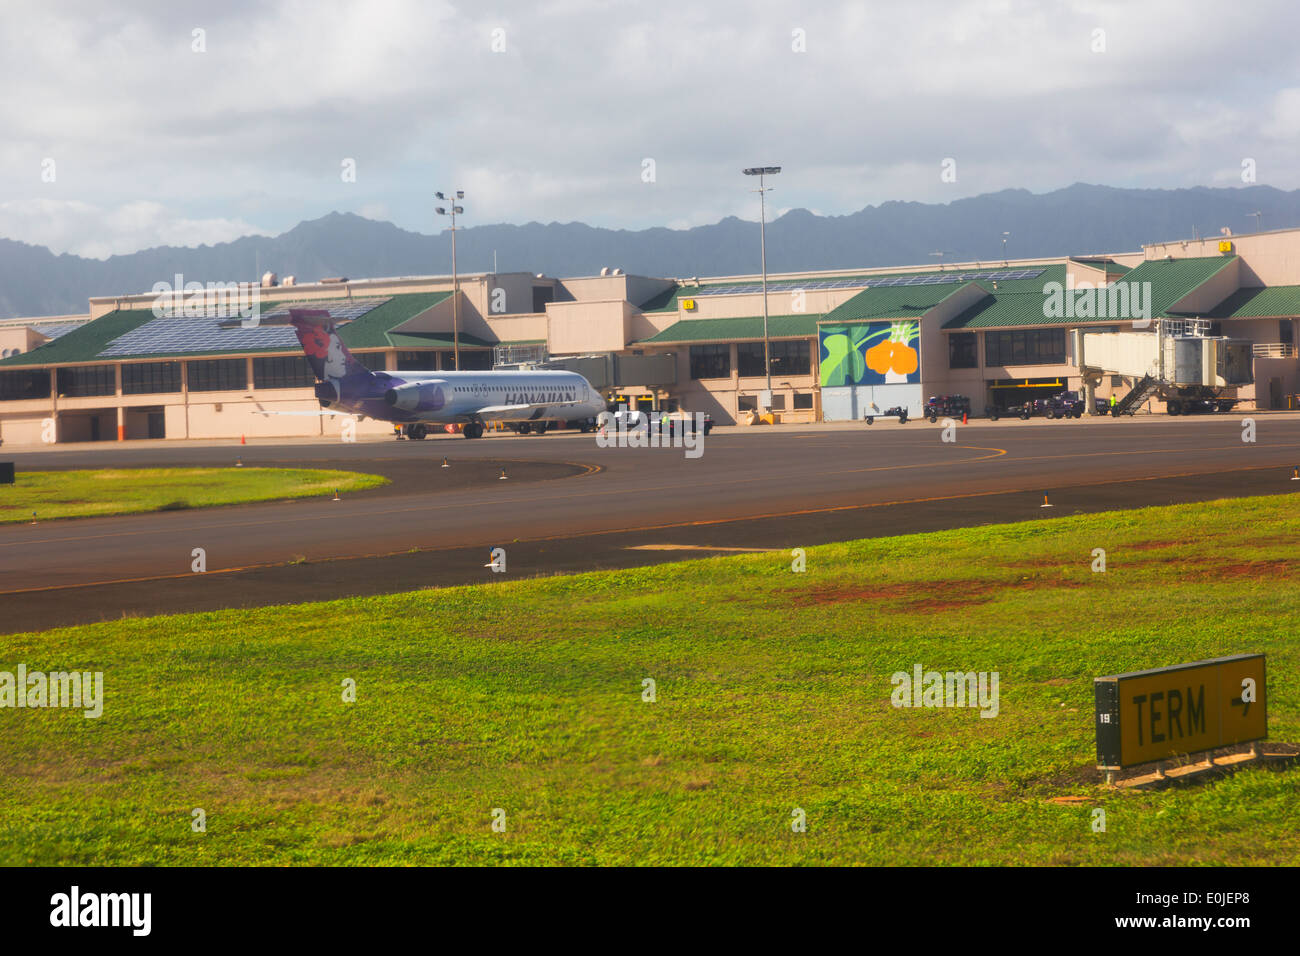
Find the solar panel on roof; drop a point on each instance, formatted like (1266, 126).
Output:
(52, 332)
(184, 334)
(864, 282)
(352, 310)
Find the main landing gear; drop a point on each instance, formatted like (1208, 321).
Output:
(473, 430)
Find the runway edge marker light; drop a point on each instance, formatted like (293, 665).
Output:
(1046, 503)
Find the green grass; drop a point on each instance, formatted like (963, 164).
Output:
(772, 693)
(80, 494)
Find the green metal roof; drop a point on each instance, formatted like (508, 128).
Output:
(1172, 279)
(732, 330)
(1278, 301)
(433, 340)
(369, 331)
(1013, 305)
(893, 302)
(1010, 310)
(372, 330)
(1110, 265)
(669, 300)
(83, 344)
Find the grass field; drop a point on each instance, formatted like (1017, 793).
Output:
(772, 693)
(80, 494)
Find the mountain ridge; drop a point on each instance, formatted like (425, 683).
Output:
(1080, 219)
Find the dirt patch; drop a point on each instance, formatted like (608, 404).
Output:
(1155, 545)
(921, 597)
(1251, 569)
(1212, 569)
(1089, 775)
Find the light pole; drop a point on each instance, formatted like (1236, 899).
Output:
(1258, 217)
(760, 172)
(1005, 237)
(455, 280)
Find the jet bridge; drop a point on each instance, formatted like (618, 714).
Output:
(1176, 360)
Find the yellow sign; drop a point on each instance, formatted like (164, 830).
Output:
(1188, 708)
(1225, 245)
(688, 305)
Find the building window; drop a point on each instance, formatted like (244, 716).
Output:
(1284, 332)
(147, 377)
(778, 402)
(282, 371)
(711, 361)
(216, 375)
(962, 350)
(747, 403)
(87, 380)
(1030, 347)
(28, 383)
(1117, 381)
(478, 360)
(375, 361)
(788, 358)
(418, 361)
(803, 400)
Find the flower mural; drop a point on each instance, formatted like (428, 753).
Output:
(870, 353)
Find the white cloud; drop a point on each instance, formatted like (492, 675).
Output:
(555, 128)
(92, 231)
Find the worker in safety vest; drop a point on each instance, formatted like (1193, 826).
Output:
(1113, 403)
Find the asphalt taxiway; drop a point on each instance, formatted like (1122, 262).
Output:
(568, 505)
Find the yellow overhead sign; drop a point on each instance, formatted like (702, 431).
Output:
(1188, 708)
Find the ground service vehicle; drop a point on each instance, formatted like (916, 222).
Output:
(948, 406)
(1064, 405)
(897, 410)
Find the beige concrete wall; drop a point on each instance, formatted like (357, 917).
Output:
(1268, 258)
(934, 343)
(516, 295)
(783, 302)
(592, 289)
(591, 326)
(19, 429)
(1211, 292)
(519, 328)
(19, 337)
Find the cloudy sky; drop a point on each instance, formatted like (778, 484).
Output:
(184, 123)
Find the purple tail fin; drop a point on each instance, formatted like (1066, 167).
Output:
(328, 357)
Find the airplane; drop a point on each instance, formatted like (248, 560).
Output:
(415, 399)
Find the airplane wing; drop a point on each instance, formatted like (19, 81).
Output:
(494, 409)
(325, 412)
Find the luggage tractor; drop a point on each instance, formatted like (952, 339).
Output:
(1177, 361)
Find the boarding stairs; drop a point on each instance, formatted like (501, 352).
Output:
(1144, 389)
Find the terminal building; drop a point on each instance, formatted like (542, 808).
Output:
(841, 344)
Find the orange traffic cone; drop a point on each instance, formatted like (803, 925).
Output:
(242, 440)
(444, 463)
